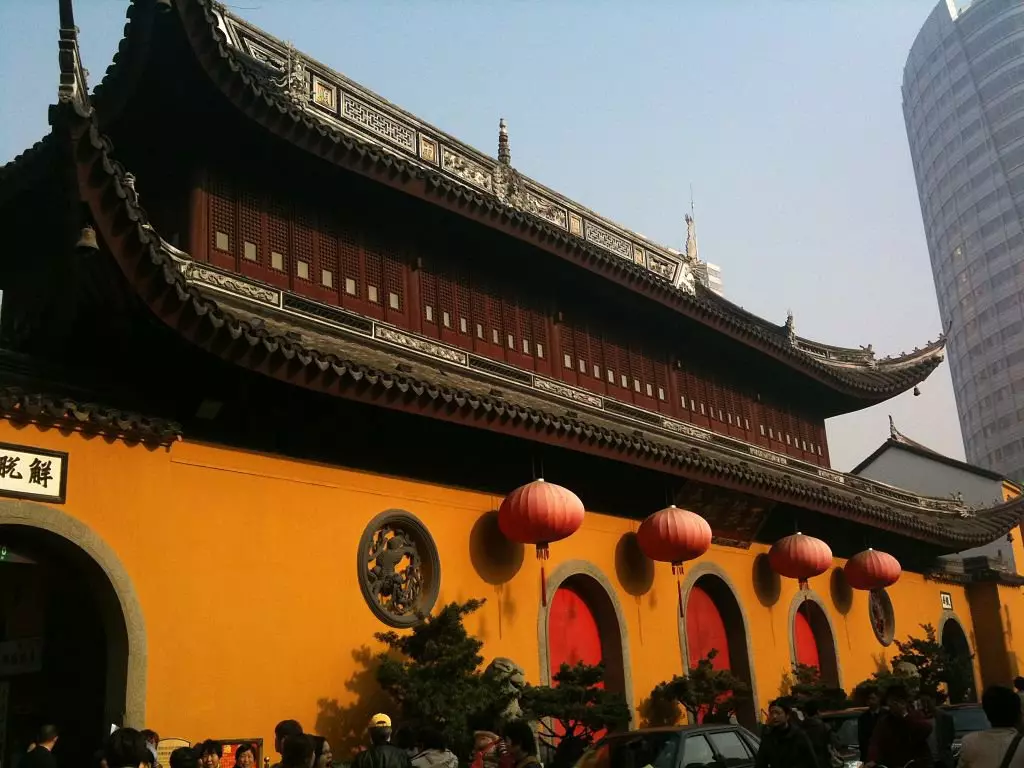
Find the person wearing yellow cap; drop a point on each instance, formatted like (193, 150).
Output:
(381, 754)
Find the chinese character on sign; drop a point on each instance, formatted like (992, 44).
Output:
(9, 467)
(39, 472)
(947, 601)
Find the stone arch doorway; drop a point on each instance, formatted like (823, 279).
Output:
(954, 640)
(714, 620)
(584, 622)
(813, 641)
(63, 599)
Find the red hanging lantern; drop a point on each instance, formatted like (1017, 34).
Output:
(539, 513)
(800, 557)
(872, 569)
(674, 535)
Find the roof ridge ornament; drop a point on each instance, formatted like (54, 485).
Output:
(73, 88)
(504, 151)
(790, 328)
(692, 254)
(293, 79)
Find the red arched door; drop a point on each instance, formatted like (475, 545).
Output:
(807, 651)
(573, 634)
(705, 630)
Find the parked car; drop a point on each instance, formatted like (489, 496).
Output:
(696, 746)
(843, 723)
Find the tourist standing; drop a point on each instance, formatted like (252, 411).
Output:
(784, 745)
(868, 720)
(999, 746)
(521, 744)
(245, 756)
(297, 752)
(323, 757)
(823, 740)
(152, 741)
(42, 755)
(210, 753)
(433, 751)
(381, 754)
(282, 731)
(126, 748)
(940, 740)
(901, 736)
(184, 757)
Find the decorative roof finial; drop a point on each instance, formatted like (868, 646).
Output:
(691, 239)
(504, 152)
(892, 427)
(790, 325)
(692, 254)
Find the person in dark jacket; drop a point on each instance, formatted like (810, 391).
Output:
(784, 745)
(868, 720)
(381, 754)
(41, 756)
(823, 739)
(940, 741)
(901, 736)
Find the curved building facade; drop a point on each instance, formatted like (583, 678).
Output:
(963, 102)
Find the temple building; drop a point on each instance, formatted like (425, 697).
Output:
(276, 351)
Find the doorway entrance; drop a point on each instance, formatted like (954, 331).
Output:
(63, 646)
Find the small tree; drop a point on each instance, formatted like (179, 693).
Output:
(924, 666)
(706, 693)
(574, 710)
(936, 665)
(806, 683)
(433, 674)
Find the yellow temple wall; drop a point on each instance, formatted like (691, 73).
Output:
(245, 570)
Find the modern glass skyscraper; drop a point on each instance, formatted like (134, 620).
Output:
(963, 102)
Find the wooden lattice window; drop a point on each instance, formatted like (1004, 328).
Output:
(327, 251)
(508, 318)
(462, 303)
(428, 295)
(348, 247)
(479, 306)
(565, 341)
(525, 331)
(305, 261)
(277, 234)
(495, 328)
(394, 279)
(222, 215)
(539, 334)
(250, 219)
(446, 299)
(373, 268)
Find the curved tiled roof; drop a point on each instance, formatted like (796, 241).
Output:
(251, 333)
(51, 410)
(251, 87)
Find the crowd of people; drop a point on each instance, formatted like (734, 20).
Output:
(427, 748)
(901, 734)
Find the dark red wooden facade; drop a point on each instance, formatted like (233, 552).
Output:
(447, 283)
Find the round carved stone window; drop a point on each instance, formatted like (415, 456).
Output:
(883, 619)
(399, 570)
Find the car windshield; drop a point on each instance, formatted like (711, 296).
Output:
(968, 720)
(633, 750)
(845, 729)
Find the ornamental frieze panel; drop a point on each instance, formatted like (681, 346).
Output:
(608, 240)
(376, 121)
(422, 345)
(197, 274)
(546, 385)
(466, 169)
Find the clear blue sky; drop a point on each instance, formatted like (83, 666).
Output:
(784, 115)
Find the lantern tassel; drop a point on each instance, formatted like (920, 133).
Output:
(677, 571)
(542, 555)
